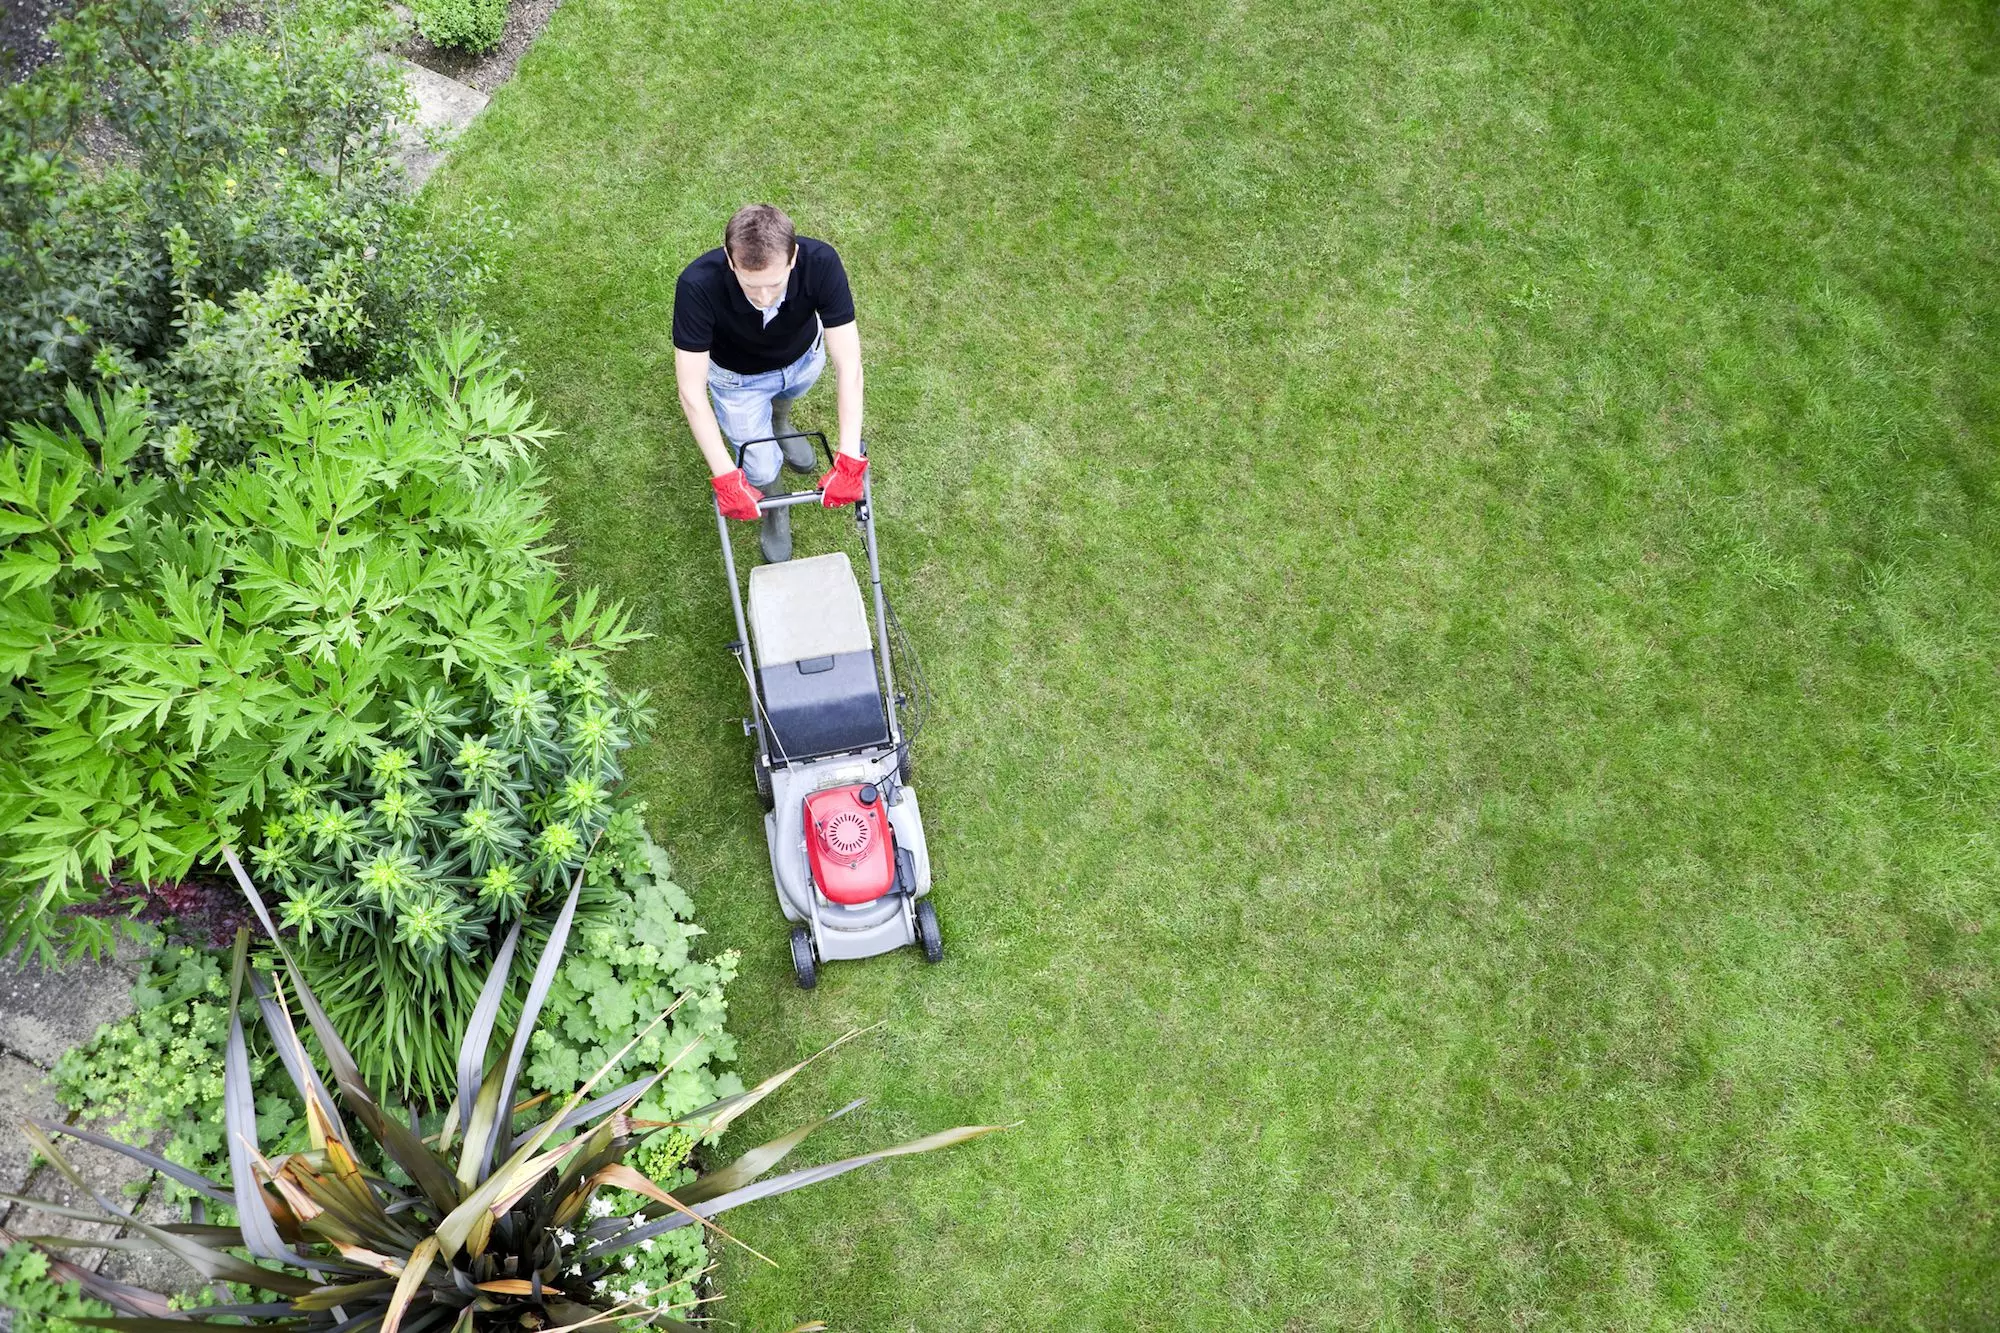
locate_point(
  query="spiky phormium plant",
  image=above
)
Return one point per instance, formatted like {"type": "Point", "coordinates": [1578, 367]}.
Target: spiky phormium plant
{"type": "Point", "coordinates": [505, 1233]}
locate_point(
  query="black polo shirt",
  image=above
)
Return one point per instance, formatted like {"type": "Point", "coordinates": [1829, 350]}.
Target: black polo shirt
{"type": "Point", "coordinates": [711, 313]}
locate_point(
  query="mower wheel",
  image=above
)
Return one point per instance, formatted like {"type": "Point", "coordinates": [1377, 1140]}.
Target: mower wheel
{"type": "Point", "coordinates": [761, 772]}
{"type": "Point", "coordinates": [905, 766]}
{"type": "Point", "coordinates": [927, 932]}
{"type": "Point", "coordinates": [803, 965]}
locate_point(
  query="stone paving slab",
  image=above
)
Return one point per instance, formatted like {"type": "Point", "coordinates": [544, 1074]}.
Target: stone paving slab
{"type": "Point", "coordinates": [153, 1269]}
{"type": "Point", "coordinates": [114, 1175]}
{"type": "Point", "coordinates": [444, 108]}
{"type": "Point", "coordinates": [24, 1093]}
{"type": "Point", "coordinates": [43, 1013]}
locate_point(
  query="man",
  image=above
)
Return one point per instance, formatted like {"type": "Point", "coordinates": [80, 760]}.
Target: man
{"type": "Point", "coordinates": [754, 324]}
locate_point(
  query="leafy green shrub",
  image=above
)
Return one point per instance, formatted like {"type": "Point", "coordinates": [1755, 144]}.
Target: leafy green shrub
{"type": "Point", "coordinates": [491, 1225]}
{"type": "Point", "coordinates": [179, 154]}
{"type": "Point", "coordinates": [174, 654]}
{"type": "Point", "coordinates": [635, 961]}
{"type": "Point", "coordinates": [161, 1068]}
{"type": "Point", "coordinates": [468, 25]}
{"type": "Point", "coordinates": [401, 877]}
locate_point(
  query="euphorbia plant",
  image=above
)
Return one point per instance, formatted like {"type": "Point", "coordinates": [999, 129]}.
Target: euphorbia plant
{"type": "Point", "coordinates": [491, 1224]}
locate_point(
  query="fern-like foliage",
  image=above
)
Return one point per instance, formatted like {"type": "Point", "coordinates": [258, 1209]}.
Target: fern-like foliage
{"type": "Point", "coordinates": [176, 655]}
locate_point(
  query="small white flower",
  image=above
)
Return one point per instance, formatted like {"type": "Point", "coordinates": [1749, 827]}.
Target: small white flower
{"type": "Point", "coordinates": [639, 1290]}
{"type": "Point", "coordinates": [647, 1245]}
{"type": "Point", "coordinates": [627, 1262]}
{"type": "Point", "coordinates": [597, 1287]}
{"type": "Point", "coordinates": [574, 1270]}
{"type": "Point", "coordinates": [565, 1237]}
{"type": "Point", "coordinates": [600, 1207]}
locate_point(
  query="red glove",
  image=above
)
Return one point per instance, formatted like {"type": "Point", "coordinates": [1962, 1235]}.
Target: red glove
{"type": "Point", "coordinates": [735, 495]}
{"type": "Point", "coordinates": [842, 486]}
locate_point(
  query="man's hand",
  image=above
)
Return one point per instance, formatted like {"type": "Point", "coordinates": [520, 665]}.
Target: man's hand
{"type": "Point", "coordinates": [842, 486]}
{"type": "Point", "coordinates": [735, 495]}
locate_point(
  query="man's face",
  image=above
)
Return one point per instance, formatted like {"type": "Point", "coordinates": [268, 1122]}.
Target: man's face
{"type": "Point", "coordinates": [764, 286]}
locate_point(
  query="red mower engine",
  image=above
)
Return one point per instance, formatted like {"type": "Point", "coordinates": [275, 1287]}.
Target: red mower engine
{"type": "Point", "coordinates": [849, 844]}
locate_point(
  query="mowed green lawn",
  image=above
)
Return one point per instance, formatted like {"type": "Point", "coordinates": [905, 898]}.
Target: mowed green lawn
{"type": "Point", "coordinates": [1456, 548]}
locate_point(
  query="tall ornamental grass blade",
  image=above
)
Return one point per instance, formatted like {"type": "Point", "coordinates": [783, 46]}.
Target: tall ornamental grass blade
{"type": "Point", "coordinates": [339, 1206]}
{"type": "Point", "coordinates": [812, 1175]}
{"type": "Point", "coordinates": [572, 1314]}
{"type": "Point", "coordinates": [785, 1184]}
{"type": "Point", "coordinates": [406, 1286]}
{"type": "Point", "coordinates": [627, 1095]}
{"type": "Point", "coordinates": [312, 1091]}
{"type": "Point", "coordinates": [127, 1244]}
{"type": "Point", "coordinates": [511, 1179]}
{"type": "Point", "coordinates": [593, 1151]}
{"type": "Point", "coordinates": [620, 1176]}
{"type": "Point", "coordinates": [637, 1314]}
{"type": "Point", "coordinates": [239, 1118]}
{"type": "Point", "coordinates": [756, 1162]}
{"type": "Point", "coordinates": [360, 1323]}
{"type": "Point", "coordinates": [118, 1295]}
{"type": "Point", "coordinates": [47, 1148]}
{"type": "Point", "coordinates": [712, 1119]}
{"type": "Point", "coordinates": [52, 1209]}
{"type": "Point", "coordinates": [215, 1264]}
{"type": "Point", "coordinates": [479, 1032]}
{"type": "Point", "coordinates": [173, 1323]}
{"type": "Point", "coordinates": [531, 1009]}
{"type": "Point", "coordinates": [347, 1293]}
{"type": "Point", "coordinates": [200, 1184]}
{"type": "Point", "coordinates": [449, 1130]}
{"type": "Point", "coordinates": [207, 1235]}
{"type": "Point", "coordinates": [396, 1138]}
{"type": "Point", "coordinates": [479, 1129]}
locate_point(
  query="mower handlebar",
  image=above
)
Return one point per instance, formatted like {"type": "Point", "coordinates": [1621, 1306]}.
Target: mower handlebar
{"type": "Point", "coordinates": [787, 500]}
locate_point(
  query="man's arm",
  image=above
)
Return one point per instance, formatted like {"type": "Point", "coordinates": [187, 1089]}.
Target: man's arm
{"type": "Point", "coordinates": [843, 348]}
{"type": "Point", "coordinates": [691, 378]}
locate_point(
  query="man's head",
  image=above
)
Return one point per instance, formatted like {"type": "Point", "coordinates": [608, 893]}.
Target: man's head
{"type": "Point", "coordinates": [761, 245]}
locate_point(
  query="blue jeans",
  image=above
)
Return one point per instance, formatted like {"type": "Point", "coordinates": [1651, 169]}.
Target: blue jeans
{"type": "Point", "coordinates": [743, 406]}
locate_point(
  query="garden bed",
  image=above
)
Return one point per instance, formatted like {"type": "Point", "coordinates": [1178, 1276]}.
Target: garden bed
{"type": "Point", "coordinates": [22, 23]}
{"type": "Point", "coordinates": [487, 71]}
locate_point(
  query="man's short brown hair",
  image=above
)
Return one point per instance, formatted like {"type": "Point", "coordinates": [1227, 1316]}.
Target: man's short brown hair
{"type": "Point", "coordinates": [759, 236]}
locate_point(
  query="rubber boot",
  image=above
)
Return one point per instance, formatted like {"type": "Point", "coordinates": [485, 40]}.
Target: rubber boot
{"type": "Point", "coordinates": [798, 450]}
{"type": "Point", "coordinates": [774, 538]}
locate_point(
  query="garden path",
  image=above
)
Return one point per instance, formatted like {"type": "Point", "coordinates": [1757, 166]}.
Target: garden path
{"type": "Point", "coordinates": [43, 1013]}
{"type": "Point", "coordinates": [444, 106]}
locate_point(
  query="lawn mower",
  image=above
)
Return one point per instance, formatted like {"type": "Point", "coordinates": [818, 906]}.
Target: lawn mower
{"type": "Point", "coordinates": [832, 765]}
